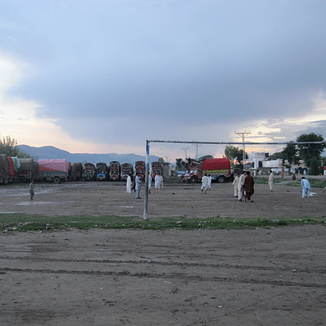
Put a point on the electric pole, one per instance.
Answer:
(242, 134)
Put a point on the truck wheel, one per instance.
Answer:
(193, 180)
(56, 180)
(221, 179)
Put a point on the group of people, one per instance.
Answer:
(206, 183)
(136, 184)
(243, 186)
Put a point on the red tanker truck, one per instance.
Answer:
(218, 168)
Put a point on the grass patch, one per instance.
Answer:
(24, 222)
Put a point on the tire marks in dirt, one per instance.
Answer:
(180, 276)
(169, 263)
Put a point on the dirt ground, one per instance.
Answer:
(143, 278)
(175, 200)
(273, 276)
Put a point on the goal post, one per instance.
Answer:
(149, 141)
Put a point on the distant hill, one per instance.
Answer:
(51, 152)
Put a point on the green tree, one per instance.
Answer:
(290, 153)
(232, 152)
(9, 147)
(310, 153)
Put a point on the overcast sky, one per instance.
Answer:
(104, 75)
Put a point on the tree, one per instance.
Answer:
(310, 153)
(9, 147)
(232, 152)
(290, 153)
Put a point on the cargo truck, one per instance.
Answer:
(53, 170)
(126, 169)
(4, 169)
(28, 170)
(89, 172)
(140, 168)
(114, 171)
(76, 172)
(101, 172)
(157, 168)
(218, 168)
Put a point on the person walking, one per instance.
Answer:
(204, 183)
(248, 186)
(305, 186)
(128, 185)
(240, 185)
(31, 190)
(271, 180)
(158, 182)
(236, 184)
(138, 184)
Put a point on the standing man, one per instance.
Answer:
(209, 182)
(128, 185)
(138, 184)
(204, 183)
(31, 190)
(305, 186)
(248, 186)
(271, 180)
(236, 184)
(158, 182)
(240, 185)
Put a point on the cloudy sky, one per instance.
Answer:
(104, 75)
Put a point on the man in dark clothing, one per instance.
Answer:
(249, 186)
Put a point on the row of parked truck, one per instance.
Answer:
(13, 169)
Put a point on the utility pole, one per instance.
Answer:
(242, 134)
(185, 149)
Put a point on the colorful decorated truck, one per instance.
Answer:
(114, 171)
(126, 169)
(101, 172)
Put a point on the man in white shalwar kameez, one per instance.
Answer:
(204, 183)
(158, 182)
(209, 182)
(138, 184)
(271, 180)
(236, 185)
(128, 185)
(240, 185)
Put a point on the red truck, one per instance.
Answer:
(218, 168)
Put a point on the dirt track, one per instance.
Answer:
(175, 200)
(102, 277)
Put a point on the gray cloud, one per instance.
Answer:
(114, 69)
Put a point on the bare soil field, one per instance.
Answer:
(263, 276)
(96, 198)
(143, 278)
